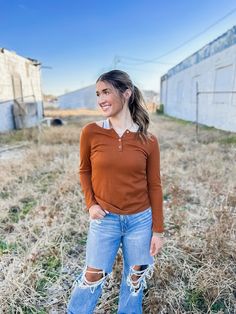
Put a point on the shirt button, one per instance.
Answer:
(119, 146)
(127, 132)
(119, 139)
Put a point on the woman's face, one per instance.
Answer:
(108, 99)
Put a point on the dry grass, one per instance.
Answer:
(43, 225)
(66, 113)
(63, 113)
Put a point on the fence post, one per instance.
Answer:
(197, 104)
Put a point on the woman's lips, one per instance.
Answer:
(105, 107)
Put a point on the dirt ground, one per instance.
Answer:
(43, 224)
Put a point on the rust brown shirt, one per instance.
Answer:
(121, 174)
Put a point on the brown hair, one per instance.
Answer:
(121, 81)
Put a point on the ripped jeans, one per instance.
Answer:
(131, 232)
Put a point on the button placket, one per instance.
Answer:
(120, 144)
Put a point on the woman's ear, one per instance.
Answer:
(127, 94)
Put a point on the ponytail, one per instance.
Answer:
(139, 113)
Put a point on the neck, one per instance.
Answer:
(122, 121)
(121, 125)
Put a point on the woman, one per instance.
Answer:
(120, 178)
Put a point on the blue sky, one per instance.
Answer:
(80, 39)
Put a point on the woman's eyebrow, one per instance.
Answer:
(104, 90)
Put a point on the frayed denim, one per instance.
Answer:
(131, 232)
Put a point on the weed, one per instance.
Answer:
(166, 196)
(195, 300)
(14, 213)
(32, 310)
(160, 109)
(28, 204)
(26, 309)
(45, 180)
(228, 140)
(50, 266)
(4, 194)
(178, 120)
(83, 239)
(17, 136)
(218, 306)
(41, 285)
(19, 212)
(7, 247)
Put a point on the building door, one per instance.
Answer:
(17, 88)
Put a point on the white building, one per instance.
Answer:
(213, 67)
(20, 91)
(80, 98)
(86, 98)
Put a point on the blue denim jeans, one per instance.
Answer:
(131, 232)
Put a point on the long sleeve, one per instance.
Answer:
(155, 187)
(85, 169)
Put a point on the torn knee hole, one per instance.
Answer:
(136, 274)
(93, 275)
(91, 278)
(137, 277)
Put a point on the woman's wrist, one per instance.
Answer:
(158, 234)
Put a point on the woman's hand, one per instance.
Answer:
(96, 212)
(156, 244)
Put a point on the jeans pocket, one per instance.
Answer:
(143, 217)
(97, 220)
(144, 213)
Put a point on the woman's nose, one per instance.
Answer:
(101, 99)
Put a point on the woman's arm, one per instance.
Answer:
(85, 169)
(155, 187)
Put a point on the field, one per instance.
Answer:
(43, 223)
